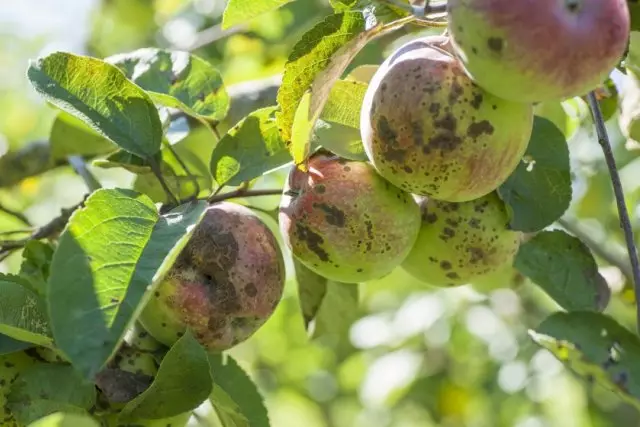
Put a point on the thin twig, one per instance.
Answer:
(155, 168)
(243, 192)
(597, 248)
(625, 221)
(48, 230)
(80, 167)
(18, 215)
(186, 169)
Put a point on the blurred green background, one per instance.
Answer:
(413, 355)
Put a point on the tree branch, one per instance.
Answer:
(50, 229)
(18, 215)
(625, 221)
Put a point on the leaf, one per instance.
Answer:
(565, 269)
(48, 388)
(543, 174)
(341, 5)
(328, 308)
(60, 419)
(36, 261)
(9, 345)
(342, 140)
(240, 11)
(344, 103)
(228, 411)
(23, 314)
(101, 96)
(236, 398)
(301, 131)
(630, 104)
(181, 385)
(177, 79)
(596, 348)
(111, 252)
(250, 149)
(123, 159)
(70, 136)
(315, 63)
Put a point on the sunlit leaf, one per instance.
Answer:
(240, 11)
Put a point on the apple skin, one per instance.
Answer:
(345, 222)
(542, 50)
(225, 284)
(429, 130)
(462, 242)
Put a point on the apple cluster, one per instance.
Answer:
(445, 121)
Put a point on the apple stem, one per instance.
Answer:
(623, 213)
(243, 192)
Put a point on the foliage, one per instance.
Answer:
(168, 130)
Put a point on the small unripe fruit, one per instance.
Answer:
(461, 242)
(224, 285)
(428, 129)
(345, 222)
(535, 51)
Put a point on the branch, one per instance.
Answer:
(625, 222)
(50, 229)
(80, 167)
(18, 215)
(35, 158)
(243, 192)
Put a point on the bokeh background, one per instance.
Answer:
(412, 355)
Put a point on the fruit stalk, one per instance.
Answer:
(623, 213)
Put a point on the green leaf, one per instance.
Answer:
(23, 315)
(344, 103)
(315, 63)
(543, 174)
(301, 130)
(9, 345)
(596, 348)
(48, 388)
(342, 5)
(565, 269)
(235, 397)
(70, 136)
(111, 252)
(60, 419)
(328, 308)
(630, 103)
(182, 384)
(177, 79)
(634, 11)
(36, 261)
(227, 410)
(100, 95)
(342, 140)
(240, 11)
(124, 159)
(250, 149)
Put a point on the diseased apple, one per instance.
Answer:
(428, 129)
(462, 242)
(224, 285)
(543, 50)
(345, 222)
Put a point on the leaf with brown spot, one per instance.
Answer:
(596, 348)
